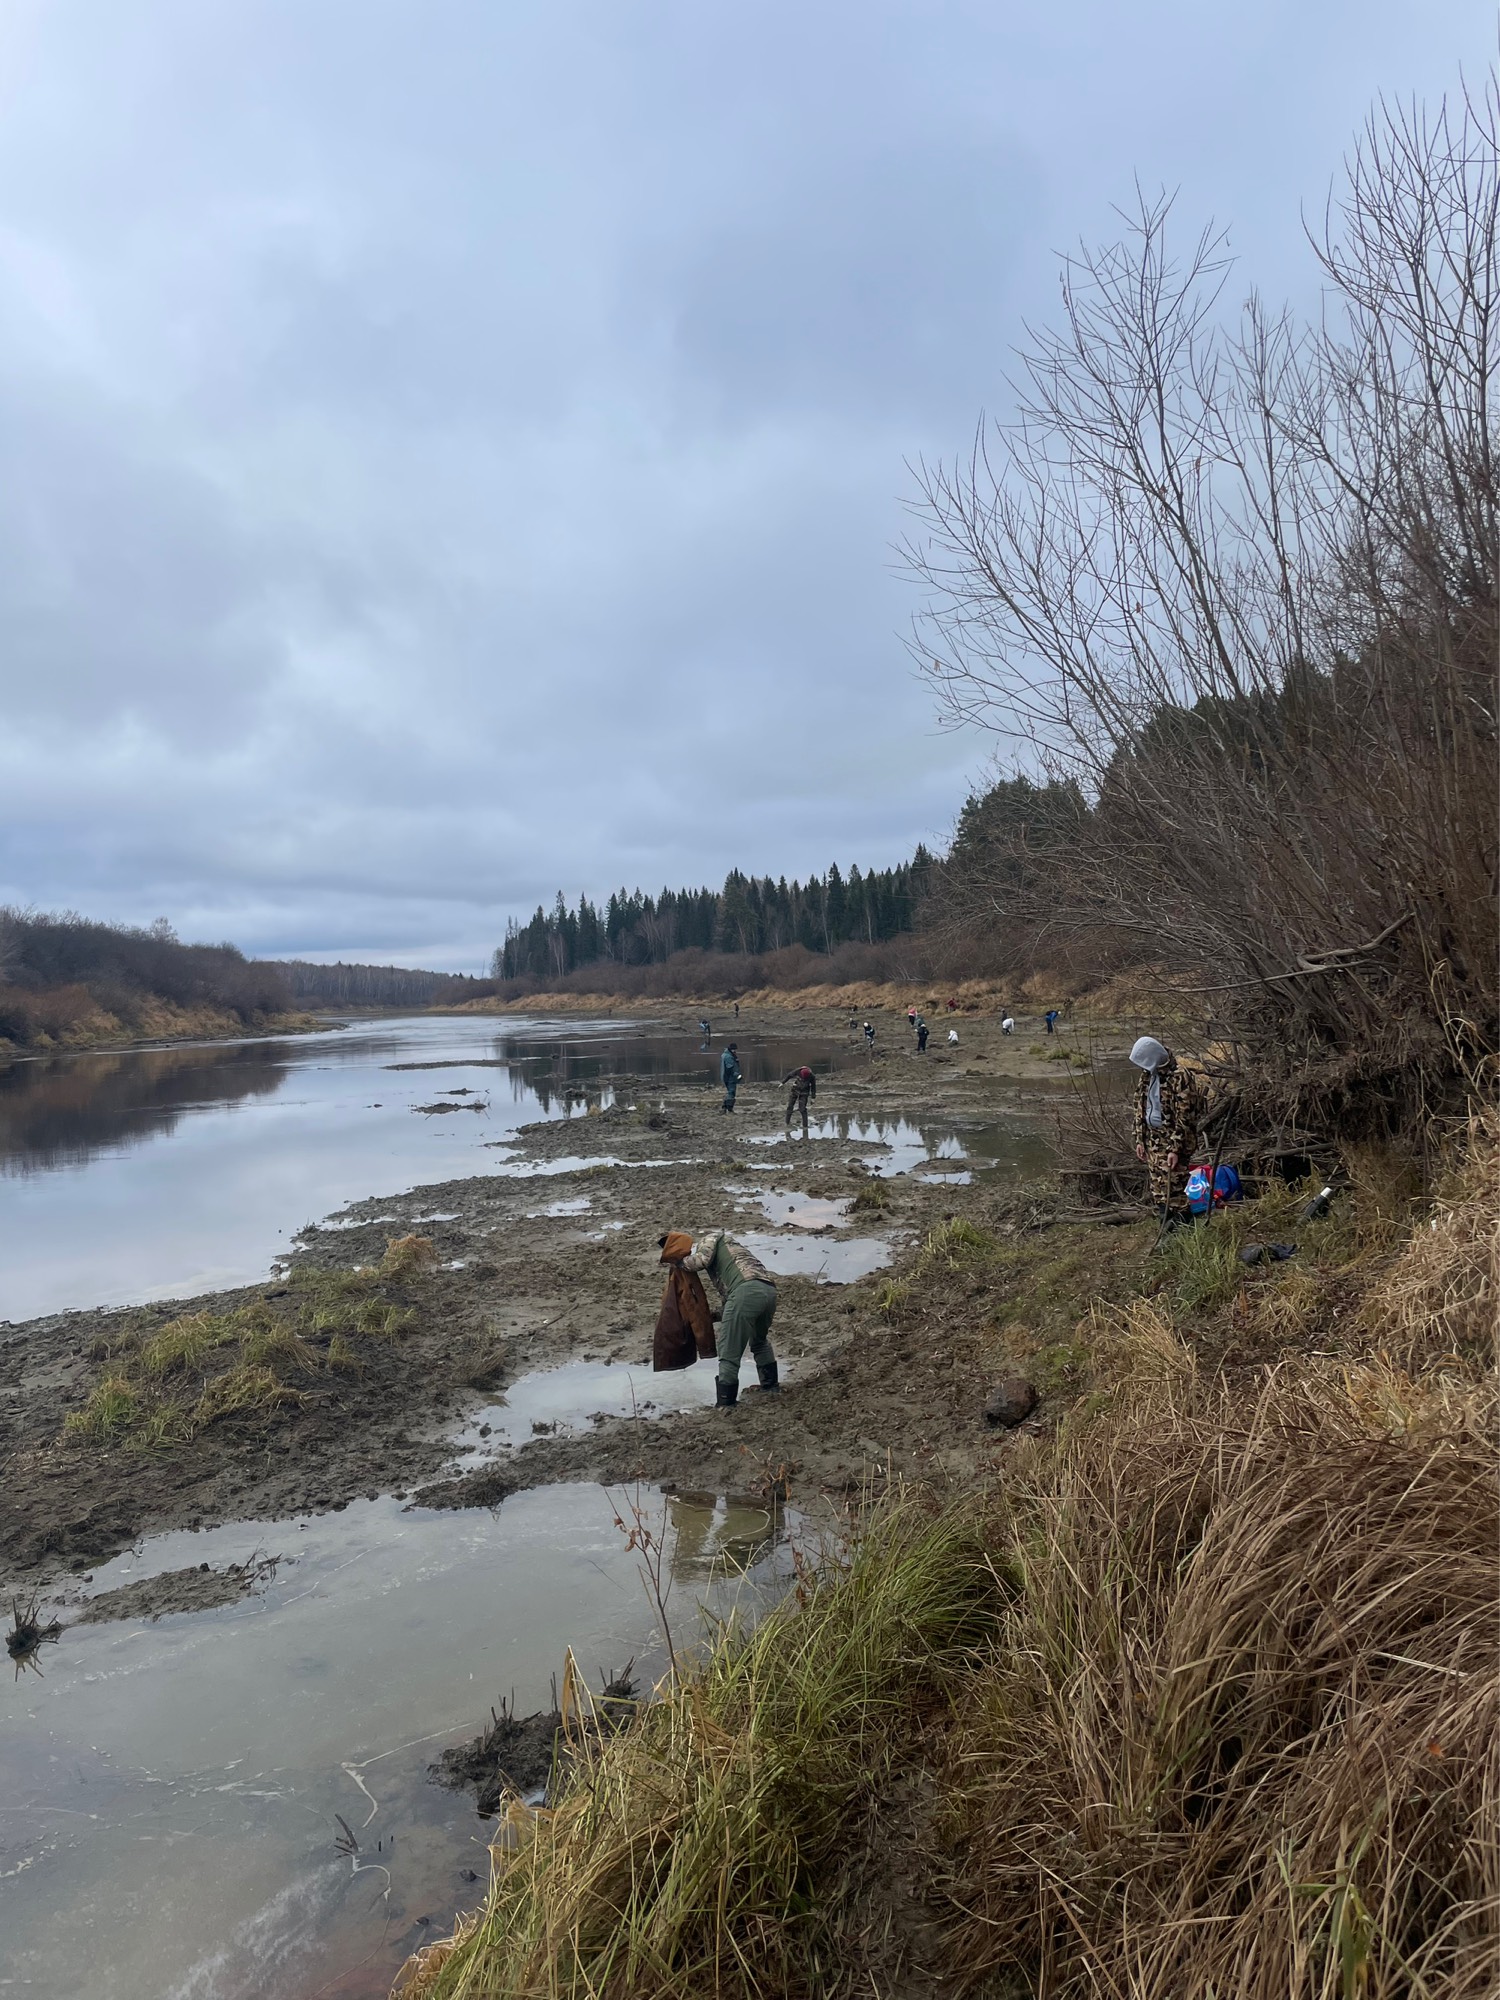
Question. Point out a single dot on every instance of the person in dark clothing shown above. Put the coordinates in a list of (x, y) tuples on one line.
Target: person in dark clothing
[(1050, 1017), (869, 1034), (804, 1086), (730, 1074), (921, 1036)]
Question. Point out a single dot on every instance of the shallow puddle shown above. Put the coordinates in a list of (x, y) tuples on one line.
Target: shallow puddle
[(909, 1144), (574, 1163), (791, 1210), (175, 1794), (828, 1259), (569, 1400), (578, 1204)]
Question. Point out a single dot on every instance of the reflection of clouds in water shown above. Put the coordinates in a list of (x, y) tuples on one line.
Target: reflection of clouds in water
[(829, 1260)]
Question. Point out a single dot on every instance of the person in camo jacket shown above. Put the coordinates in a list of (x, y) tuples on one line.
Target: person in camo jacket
[(1168, 1112), (749, 1294)]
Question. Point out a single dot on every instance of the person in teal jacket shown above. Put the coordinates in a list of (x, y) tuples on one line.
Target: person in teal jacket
[(729, 1075)]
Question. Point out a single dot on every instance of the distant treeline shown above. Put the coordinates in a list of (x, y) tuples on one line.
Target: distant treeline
[(56, 971), (374, 985), (751, 915)]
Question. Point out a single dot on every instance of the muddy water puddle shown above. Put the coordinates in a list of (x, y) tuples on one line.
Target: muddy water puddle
[(568, 1401), (907, 1145), (790, 1210), (175, 1794), (828, 1260)]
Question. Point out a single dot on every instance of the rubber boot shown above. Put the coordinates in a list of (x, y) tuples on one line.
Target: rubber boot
[(726, 1394), (770, 1378)]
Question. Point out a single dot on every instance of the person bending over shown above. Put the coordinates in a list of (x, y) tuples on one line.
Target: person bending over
[(749, 1294), (804, 1086)]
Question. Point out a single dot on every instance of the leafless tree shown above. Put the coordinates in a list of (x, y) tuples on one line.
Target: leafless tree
[(1234, 578)]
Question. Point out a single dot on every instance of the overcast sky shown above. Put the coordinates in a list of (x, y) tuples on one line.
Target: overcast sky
[(453, 449)]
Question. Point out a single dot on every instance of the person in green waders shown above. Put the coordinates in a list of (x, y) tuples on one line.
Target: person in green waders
[(749, 1294)]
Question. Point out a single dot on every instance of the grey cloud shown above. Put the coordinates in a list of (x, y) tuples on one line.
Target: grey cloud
[(450, 453), (875, 283)]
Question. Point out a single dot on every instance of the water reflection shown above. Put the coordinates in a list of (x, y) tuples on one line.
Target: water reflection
[(62, 1111), (717, 1532), (184, 1782), (560, 1069)]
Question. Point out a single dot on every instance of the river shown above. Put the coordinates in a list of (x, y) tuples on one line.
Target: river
[(174, 1792)]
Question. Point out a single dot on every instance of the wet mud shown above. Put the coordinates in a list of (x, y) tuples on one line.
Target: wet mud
[(526, 1756), (199, 1589), (548, 1260)]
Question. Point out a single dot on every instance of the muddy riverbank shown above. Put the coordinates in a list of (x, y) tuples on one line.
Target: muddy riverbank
[(547, 1262)]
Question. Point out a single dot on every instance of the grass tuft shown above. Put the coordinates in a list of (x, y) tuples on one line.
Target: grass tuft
[(161, 1427), (112, 1410), (182, 1343), (893, 1295), (342, 1358), (278, 1347), (874, 1197), (957, 1243), (242, 1391), (405, 1256)]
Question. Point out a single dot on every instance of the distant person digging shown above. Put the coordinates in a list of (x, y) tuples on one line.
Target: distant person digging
[(804, 1086), (1168, 1112), (749, 1294)]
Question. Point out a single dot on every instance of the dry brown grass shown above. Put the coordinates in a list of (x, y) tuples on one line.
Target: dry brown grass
[(406, 1255), (1443, 1293), (1240, 1736), (242, 1391)]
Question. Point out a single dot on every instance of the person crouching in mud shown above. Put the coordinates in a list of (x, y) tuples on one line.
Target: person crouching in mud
[(1168, 1109), (749, 1294)]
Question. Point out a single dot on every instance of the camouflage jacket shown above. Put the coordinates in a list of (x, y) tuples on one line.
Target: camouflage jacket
[(730, 1265), (1182, 1101)]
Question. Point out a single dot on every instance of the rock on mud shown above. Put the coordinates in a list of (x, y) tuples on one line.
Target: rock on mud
[(1011, 1402)]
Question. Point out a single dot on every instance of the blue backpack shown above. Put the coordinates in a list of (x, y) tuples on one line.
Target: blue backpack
[(1226, 1187)]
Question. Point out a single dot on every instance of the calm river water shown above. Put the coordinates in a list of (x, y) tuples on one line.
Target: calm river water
[(137, 1174)]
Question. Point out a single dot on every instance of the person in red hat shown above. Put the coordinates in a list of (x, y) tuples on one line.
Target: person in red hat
[(804, 1087)]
